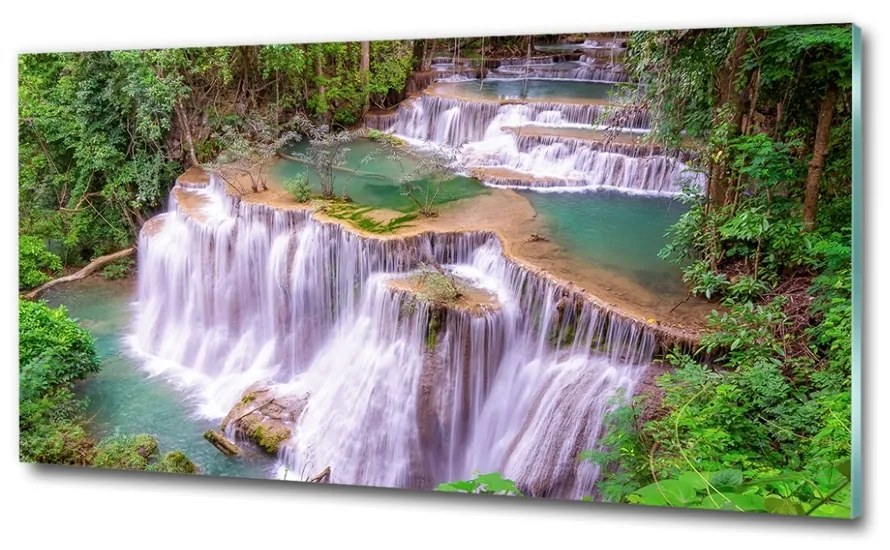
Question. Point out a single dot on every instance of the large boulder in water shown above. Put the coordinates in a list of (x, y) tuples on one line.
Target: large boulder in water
[(264, 417)]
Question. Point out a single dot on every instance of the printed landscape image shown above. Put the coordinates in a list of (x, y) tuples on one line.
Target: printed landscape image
[(608, 267)]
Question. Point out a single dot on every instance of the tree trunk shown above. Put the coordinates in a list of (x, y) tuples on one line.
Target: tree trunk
[(731, 96), (86, 270), (366, 75), (319, 74), (222, 443), (423, 49), (183, 121), (322, 477), (820, 151)]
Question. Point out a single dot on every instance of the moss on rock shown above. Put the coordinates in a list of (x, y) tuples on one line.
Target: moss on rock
[(264, 417), (126, 452), (269, 435), (174, 462)]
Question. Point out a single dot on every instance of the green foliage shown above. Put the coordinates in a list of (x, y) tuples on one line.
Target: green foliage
[(358, 216), (436, 285), (54, 351), (703, 281), (298, 188), (832, 303), (789, 493), (36, 263), (488, 484), (126, 452), (377, 135), (621, 453), (174, 462), (120, 269), (424, 181), (102, 134), (52, 429), (92, 151)]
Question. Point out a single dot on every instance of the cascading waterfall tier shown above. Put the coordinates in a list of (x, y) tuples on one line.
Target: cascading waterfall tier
[(551, 67), (495, 149), (546, 161), (397, 392), (454, 121)]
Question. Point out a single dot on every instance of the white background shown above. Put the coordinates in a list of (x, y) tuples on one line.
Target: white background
[(49, 506)]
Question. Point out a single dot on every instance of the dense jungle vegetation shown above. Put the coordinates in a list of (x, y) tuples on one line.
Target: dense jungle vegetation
[(755, 418), (54, 354), (103, 135), (758, 417)]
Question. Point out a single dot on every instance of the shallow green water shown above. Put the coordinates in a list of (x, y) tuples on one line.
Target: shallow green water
[(372, 178), (622, 233), (531, 88), (122, 397), (619, 232)]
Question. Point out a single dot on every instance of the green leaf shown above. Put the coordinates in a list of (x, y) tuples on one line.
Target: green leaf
[(727, 479), (457, 487), (747, 503), (831, 511), (670, 492), (782, 506), (494, 483), (694, 479)]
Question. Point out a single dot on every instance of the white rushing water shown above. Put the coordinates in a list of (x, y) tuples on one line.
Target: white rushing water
[(231, 293), (489, 135)]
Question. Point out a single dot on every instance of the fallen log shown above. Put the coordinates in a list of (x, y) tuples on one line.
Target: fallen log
[(222, 443), (323, 477), (101, 261)]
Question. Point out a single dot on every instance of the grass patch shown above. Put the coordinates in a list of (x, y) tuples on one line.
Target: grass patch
[(357, 215)]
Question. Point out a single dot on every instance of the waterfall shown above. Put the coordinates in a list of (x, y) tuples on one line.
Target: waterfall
[(491, 136), (586, 68), (569, 163), (421, 119), (234, 292)]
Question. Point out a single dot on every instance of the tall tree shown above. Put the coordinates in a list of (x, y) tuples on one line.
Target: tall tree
[(366, 75)]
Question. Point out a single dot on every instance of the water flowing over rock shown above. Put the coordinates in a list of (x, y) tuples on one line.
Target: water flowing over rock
[(563, 162), (233, 292), (453, 121), (585, 68), (487, 133)]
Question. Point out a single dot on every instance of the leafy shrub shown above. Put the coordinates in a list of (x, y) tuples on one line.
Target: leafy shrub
[(52, 430), (298, 188), (174, 462), (491, 484), (744, 289), (788, 493), (703, 281), (54, 351), (120, 269), (436, 285), (126, 452), (36, 263)]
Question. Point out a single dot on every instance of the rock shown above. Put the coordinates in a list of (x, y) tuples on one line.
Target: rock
[(264, 417)]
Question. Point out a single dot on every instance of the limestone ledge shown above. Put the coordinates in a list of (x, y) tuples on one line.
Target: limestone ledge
[(511, 218)]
